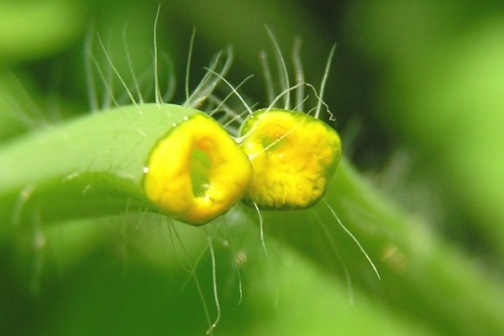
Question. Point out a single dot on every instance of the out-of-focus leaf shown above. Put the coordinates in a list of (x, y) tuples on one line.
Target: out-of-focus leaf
[(33, 29)]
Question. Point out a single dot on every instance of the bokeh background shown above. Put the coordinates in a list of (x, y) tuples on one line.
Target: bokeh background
[(417, 88)]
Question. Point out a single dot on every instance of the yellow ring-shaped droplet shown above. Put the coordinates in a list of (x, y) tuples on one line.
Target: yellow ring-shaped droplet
[(197, 171), (293, 156)]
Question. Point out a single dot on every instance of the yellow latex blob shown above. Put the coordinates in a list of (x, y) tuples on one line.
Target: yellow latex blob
[(293, 156), (197, 171)]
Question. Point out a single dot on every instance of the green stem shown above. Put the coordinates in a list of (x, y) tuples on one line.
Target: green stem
[(92, 166)]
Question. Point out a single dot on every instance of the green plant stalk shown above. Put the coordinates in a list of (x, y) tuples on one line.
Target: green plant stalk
[(63, 169), (422, 277), (92, 166)]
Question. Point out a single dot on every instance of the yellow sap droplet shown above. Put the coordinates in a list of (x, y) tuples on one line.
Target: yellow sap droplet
[(293, 156), (196, 172)]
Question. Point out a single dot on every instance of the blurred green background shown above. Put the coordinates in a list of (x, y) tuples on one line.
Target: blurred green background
[(418, 91)]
